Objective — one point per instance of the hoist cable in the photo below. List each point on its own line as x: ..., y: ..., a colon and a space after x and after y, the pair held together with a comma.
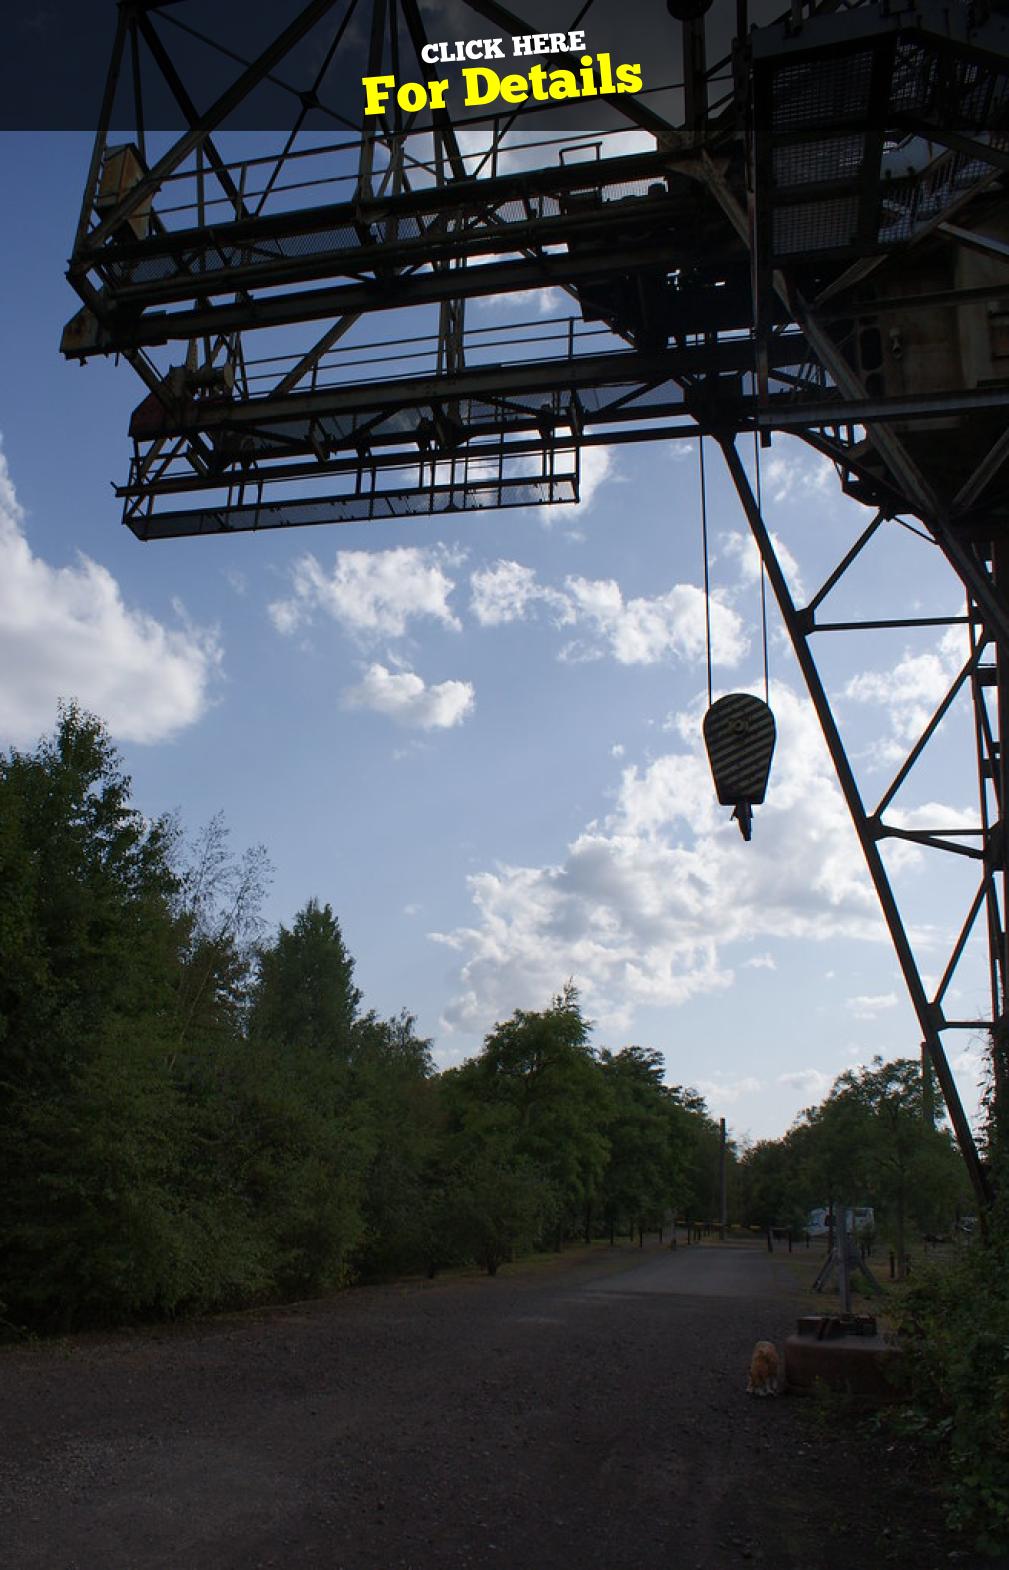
x: 707, y: 575
x: 763, y: 578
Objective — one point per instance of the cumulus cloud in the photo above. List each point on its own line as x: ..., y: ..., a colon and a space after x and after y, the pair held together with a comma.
x: 724, y: 1092
x: 811, y: 1082
x: 796, y: 471
x: 643, y: 631
x: 909, y: 691
x: 867, y: 1007
x: 638, y: 631
x: 370, y: 594
x: 540, y: 301
x: 899, y: 700
x: 596, y: 467
x: 403, y: 696
x: 761, y: 962
x: 742, y: 550
x: 508, y: 591
x: 648, y: 907
x: 66, y: 632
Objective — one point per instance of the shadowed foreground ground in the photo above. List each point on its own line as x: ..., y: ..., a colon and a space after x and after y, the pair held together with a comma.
x: 587, y: 1416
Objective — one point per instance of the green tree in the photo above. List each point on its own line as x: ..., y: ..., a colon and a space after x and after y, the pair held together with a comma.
x: 293, y: 1152
x: 494, y: 1206
x: 305, y: 991
x: 218, y: 904
x: 773, y: 1187
x: 539, y: 1078
x: 700, y: 1188
x: 650, y: 1146
x: 394, y: 1089
x: 91, y: 1127
x: 910, y: 1168
x: 87, y: 935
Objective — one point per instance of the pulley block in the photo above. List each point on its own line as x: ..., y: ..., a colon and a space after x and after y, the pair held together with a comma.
x: 739, y: 733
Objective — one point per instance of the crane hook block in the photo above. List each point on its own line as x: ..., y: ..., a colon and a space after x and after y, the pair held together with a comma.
x: 739, y: 733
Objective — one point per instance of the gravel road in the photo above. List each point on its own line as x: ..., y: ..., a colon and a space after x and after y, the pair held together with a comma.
x: 590, y: 1415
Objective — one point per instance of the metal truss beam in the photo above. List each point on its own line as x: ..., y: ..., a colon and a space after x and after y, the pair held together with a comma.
x: 463, y: 217
x: 731, y: 275
x: 633, y: 372
x: 201, y: 128
x: 931, y: 1019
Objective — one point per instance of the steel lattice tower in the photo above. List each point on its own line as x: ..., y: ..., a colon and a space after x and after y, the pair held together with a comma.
x: 806, y: 234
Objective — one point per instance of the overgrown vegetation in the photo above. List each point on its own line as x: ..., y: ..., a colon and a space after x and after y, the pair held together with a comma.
x: 868, y: 1143
x: 954, y: 1324
x: 871, y: 1142
x: 193, y: 1116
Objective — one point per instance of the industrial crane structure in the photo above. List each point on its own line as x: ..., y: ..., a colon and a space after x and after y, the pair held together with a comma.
x: 799, y: 223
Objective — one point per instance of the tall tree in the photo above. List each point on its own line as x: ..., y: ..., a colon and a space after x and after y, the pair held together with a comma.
x: 649, y: 1138
x: 909, y: 1167
x: 305, y: 991
x: 87, y: 935
x: 90, y: 1126
x: 395, y: 1093
x: 538, y: 1069
x: 219, y: 900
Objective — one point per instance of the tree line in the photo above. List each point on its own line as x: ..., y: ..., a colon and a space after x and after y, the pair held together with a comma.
x: 874, y: 1141
x: 195, y: 1116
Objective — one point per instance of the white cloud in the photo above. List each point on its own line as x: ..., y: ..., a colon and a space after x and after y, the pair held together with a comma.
x: 910, y: 691
x: 404, y: 697
x: 639, y: 631
x: 644, y: 631
x: 867, y: 1007
x: 742, y: 549
x: 596, y: 467
x: 507, y: 591
x: 809, y: 1081
x: 761, y: 962
x: 541, y: 301
x: 972, y: 1060
x: 371, y: 594
x: 914, y: 687
x: 65, y: 632
x: 644, y: 908
x: 796, y: 471
x: 724, y: 1092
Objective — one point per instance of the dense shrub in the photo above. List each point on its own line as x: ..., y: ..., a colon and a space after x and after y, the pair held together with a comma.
x: 955, y: 1325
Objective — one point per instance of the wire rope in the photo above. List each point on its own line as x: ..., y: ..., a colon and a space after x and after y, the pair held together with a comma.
x: 763, y: 577
x: 707, y: 571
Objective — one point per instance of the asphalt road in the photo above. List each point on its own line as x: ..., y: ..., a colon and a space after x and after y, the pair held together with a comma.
x: 589, y: 1416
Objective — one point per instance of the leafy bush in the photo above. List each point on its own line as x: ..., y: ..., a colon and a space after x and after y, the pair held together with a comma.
x: 955, y: 1322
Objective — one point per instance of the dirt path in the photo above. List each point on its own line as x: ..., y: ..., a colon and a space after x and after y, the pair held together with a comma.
x: 591, y: 1416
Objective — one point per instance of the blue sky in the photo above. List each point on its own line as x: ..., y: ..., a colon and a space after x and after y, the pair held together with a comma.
x: 478, y: 738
